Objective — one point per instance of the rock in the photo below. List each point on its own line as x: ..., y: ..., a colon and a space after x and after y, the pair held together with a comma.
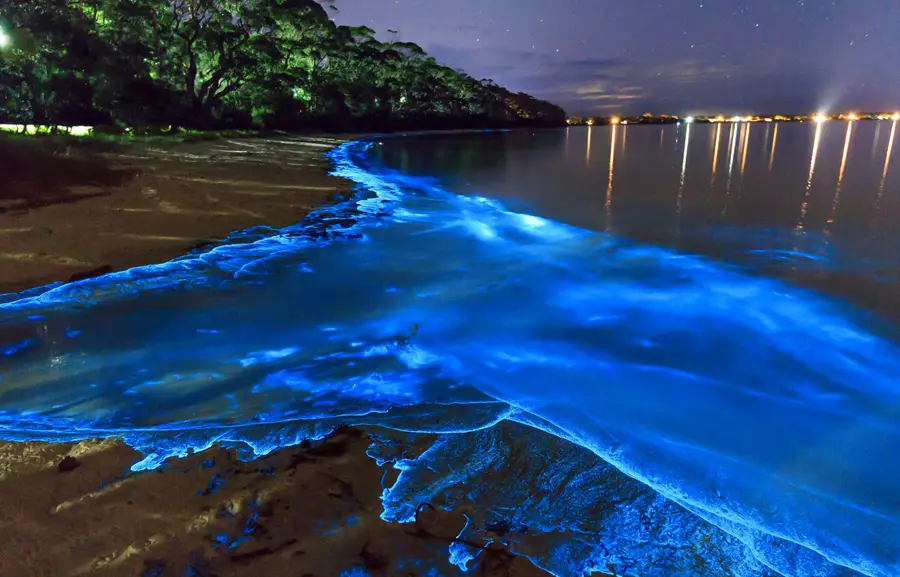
x: 68, y: 464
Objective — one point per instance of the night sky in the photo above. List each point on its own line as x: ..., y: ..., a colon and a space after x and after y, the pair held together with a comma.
x: 676, y: 57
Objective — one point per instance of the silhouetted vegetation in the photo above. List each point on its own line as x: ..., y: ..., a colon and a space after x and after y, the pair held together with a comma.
x: 218, y: 64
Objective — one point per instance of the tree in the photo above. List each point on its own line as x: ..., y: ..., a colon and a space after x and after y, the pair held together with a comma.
x: 217, y: 63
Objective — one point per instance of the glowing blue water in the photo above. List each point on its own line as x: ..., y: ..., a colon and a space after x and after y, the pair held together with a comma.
x: 764, y: 417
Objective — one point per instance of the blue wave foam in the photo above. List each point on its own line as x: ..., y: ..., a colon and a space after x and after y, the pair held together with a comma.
x: 763, y: 417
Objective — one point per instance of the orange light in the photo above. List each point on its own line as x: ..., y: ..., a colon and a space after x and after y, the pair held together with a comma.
x: 615, y: 120
x: 896, y: 116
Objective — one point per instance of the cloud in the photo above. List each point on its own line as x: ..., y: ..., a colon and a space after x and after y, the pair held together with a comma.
x: 603, y: 85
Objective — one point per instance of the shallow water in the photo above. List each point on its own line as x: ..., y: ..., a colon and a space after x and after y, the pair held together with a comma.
x: 593, y: 331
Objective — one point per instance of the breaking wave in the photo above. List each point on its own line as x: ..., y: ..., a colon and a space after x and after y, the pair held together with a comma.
x: 634, y: 408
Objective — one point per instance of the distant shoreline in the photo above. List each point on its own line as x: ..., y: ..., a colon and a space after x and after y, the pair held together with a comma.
x: 701, y: 119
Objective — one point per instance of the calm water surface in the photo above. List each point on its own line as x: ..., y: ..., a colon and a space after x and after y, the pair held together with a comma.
x: 671, y: 351
x: 812, y: 203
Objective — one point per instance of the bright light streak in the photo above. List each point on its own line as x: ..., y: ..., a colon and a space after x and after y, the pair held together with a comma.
x: 746, y: 145
x: 846, y: 150
x: 612, y: 164
x: 887, y: 159
x: 815, y: 154
x: 716, y: 150
x: 732, y: 148
x: 887, y: 164
x: 588, y: 159
x: 837, y: 192
x: 774, y: 143
x: 687, y: 144
x: 804, y: 207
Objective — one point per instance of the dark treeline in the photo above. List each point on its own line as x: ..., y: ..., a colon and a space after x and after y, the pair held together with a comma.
x: 215, y: 64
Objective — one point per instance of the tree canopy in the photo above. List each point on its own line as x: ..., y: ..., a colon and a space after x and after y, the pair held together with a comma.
x: 232, y: 64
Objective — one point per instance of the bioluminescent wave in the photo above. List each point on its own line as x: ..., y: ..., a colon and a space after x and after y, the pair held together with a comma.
x: 756, y: 423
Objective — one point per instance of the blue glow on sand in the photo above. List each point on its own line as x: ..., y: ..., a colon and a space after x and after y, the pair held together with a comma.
x: 743, y: 411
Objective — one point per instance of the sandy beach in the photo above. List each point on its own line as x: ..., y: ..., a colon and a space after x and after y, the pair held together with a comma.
x: 85, y: 211
x: 75, y: 509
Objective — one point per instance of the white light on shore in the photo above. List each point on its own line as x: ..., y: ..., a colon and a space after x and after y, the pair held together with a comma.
x: 820, y: 118
x: 4, y: 38
x: 689, y: 119
x: 896, y: 116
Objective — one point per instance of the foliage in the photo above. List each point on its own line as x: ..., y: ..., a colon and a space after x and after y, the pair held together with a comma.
x: 232, y: 64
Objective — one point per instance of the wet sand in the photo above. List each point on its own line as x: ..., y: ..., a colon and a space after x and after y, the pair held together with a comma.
x: 74, y: 212
x: 308, y: 510
x: 75, y: 509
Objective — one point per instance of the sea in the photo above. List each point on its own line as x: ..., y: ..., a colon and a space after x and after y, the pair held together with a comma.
x: 643, y: 350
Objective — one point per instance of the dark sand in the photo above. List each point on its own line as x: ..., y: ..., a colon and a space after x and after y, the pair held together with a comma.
x: 306, y: 510
x: 302, y: 511
x: 77, y: 210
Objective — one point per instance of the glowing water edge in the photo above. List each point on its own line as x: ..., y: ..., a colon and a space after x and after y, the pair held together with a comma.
x: 756, y: 423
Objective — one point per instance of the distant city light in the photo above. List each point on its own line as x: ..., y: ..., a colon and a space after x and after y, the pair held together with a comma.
x: 615, y: 120
x: 624, y: 122
x: 768, y: 120
x: 719, y: 119
x: 820, y: 118
x: 4, y: 38
x: 852, y: 117
x: 896, y: 116
x: 747, y: 119
x: 735, y: 119
x: 689, y: 119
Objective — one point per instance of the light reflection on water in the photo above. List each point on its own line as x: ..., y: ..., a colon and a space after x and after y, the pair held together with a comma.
x: 763, y: 416
x: 811, y: 186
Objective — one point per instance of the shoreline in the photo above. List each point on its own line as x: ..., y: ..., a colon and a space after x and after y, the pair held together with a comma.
x: 76, y: 508
x: 309, y: 509
x: 100, y: 212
